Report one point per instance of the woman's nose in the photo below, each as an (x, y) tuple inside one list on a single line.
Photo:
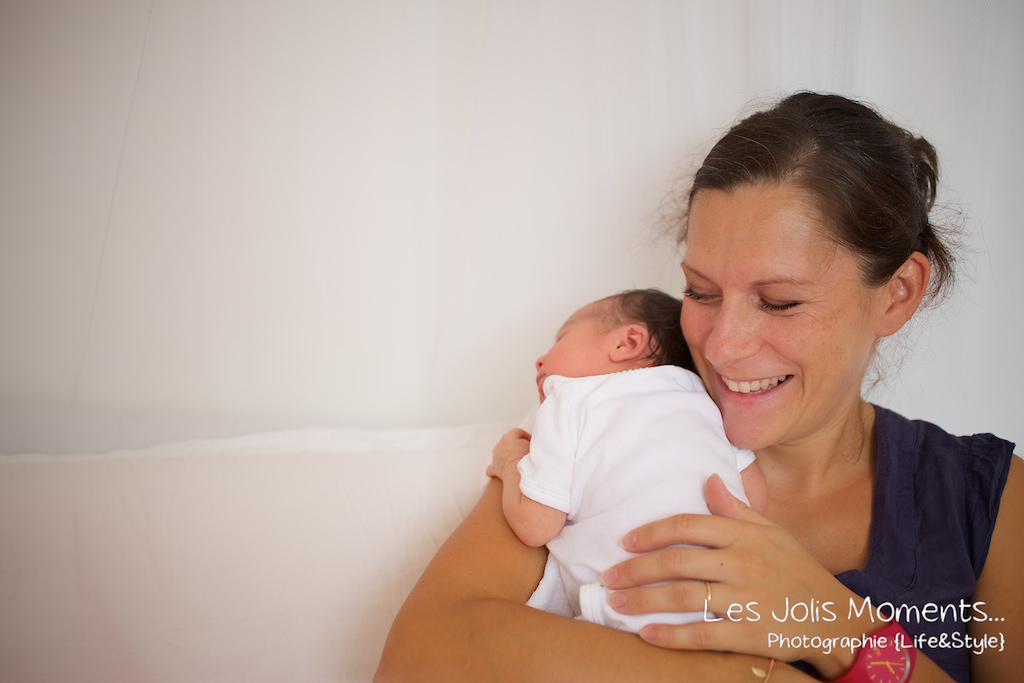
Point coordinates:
[(733, 336)]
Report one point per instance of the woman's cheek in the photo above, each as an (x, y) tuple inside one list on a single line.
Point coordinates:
[(695, 324)]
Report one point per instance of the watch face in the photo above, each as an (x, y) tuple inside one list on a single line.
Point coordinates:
[(888, 665)]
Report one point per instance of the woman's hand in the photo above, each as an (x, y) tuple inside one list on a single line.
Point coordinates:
[(511, 448), (770, 596)]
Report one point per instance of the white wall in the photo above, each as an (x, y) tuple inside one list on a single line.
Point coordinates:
[(377, 213)]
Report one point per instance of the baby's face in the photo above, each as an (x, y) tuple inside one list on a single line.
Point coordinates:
[(582, 346)]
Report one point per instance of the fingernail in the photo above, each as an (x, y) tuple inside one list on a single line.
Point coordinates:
[(610, 577), (629, 541), (617, 600)]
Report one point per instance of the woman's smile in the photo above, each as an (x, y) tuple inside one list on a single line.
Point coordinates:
[(755, 386)]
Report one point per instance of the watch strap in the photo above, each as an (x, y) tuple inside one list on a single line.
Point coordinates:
[(896, 642)]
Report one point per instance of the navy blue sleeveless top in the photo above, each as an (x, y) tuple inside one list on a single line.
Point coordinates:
[(935, 505)]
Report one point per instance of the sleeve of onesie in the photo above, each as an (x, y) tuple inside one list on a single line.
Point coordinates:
[(744, 458), (546, 471)]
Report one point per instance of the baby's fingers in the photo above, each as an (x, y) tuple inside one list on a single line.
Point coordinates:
[(516, 434)]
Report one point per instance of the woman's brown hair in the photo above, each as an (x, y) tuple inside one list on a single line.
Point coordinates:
[(873, 181)]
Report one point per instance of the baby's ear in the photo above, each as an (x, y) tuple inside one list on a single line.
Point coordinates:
[(632, 342)]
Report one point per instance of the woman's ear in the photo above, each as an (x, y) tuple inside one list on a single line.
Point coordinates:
[(903, 294), (631, 342)]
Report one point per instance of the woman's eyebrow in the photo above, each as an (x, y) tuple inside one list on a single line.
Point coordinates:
[(772, 280), (783, 280)]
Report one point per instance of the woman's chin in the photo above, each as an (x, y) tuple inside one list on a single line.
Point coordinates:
[(742, 436), (751, 419)]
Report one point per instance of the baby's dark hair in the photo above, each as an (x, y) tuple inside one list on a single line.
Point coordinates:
[(659, 313)]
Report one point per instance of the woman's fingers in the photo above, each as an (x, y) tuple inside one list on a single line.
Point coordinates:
[(679, 558), (685, 529), (668, 564), (674, 596), (715, 531), (695, 636), (729, 522), (721, 502)]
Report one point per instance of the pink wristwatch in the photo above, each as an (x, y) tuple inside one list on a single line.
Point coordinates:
[(887, 657)]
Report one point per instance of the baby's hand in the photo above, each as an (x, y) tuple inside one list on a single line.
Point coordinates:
[(510, 450)]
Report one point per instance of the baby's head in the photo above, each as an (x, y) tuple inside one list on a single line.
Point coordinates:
[(634, 329)]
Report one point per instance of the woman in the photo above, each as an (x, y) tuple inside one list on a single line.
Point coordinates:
[(808, 241)]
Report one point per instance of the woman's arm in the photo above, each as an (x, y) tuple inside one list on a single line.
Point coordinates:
[(466, 621), (999, 588)]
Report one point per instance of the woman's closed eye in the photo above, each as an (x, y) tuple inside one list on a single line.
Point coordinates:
[(699, 297), (778, 307), (769, 305)]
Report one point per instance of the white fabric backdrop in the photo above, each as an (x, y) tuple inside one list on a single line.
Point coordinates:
[(377, 213)]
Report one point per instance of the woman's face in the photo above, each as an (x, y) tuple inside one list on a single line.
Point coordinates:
[(780, 325)]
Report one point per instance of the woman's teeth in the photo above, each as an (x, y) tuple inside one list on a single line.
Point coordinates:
[(753, 386)]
